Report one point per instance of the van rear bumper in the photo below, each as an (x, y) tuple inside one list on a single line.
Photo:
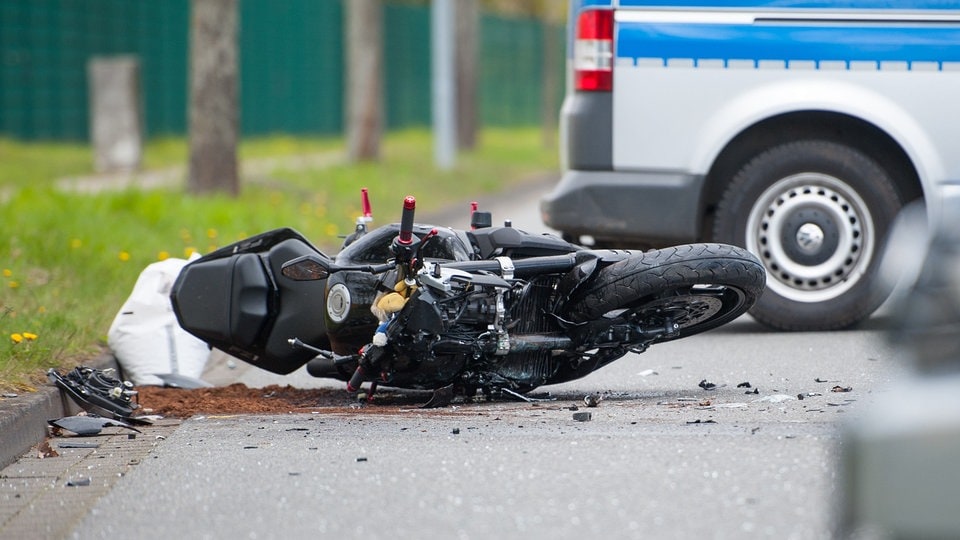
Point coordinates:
[(638, 206)]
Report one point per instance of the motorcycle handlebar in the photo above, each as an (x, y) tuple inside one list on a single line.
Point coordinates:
[(406, 221)]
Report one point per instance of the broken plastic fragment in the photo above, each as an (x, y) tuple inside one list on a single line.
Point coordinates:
[(707, 385), (73, 444), (582, 416), (88, 425), (176, 380), (775, 398), (97, 391), (745, 385), (839, 388), (80, 481)]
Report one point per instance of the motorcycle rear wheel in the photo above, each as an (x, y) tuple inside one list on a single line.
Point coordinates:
[(697, 286)]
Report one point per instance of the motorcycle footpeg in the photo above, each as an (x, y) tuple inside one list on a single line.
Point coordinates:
[(329, 366)]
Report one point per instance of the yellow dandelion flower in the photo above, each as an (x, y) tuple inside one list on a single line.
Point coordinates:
[(13, 284), (17, 338), (7, 272), (41, 309), (76, 243), (163, 255), (211, 233), (188, 251), (29, 336), (331, 229), (123, 256)]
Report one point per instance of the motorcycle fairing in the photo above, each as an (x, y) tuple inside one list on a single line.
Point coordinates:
[(237, 300)]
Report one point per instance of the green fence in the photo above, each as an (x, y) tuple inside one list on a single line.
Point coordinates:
[(291, 65)]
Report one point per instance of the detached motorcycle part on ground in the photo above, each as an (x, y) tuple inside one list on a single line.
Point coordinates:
[(492, 309)]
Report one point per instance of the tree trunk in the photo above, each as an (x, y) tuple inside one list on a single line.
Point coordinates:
[(214, 113), (364, 92), (552, 84), (468, 30)]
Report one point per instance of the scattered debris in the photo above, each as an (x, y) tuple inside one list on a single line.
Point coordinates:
[(360, 459), (818, 379), (456, 431), (839, 388), (176, 380), (707, 385), (97, 391), (582, 416), (11, 395), (699, 421), (775, 398), (647, 372), (735, 405), (754, 391), (44, 450), (79, 481), (77, 444), (592, 400), (88, 425), (745, 385), (805, 395)]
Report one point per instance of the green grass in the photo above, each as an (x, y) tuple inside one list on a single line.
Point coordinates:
[(68, 260)]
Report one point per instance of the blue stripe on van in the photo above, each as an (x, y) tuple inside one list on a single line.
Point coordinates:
[(800, 41), (789, 4)]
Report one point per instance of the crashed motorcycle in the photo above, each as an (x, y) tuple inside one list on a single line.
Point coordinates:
[(492, 309)]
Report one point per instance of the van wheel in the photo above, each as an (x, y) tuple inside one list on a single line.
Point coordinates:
[(816, 213)]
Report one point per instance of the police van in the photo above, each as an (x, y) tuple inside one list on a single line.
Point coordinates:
[(797, 129)]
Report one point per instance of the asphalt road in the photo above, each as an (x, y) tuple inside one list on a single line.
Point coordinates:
[(660, 457)]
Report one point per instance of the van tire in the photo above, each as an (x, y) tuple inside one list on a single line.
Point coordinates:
[(816, 213)]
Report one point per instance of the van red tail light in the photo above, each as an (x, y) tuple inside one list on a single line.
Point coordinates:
[(593, 51)]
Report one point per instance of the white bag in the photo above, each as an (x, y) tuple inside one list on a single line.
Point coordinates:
[(145, 336)]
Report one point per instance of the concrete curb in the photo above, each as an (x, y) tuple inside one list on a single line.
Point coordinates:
[(23, 419)]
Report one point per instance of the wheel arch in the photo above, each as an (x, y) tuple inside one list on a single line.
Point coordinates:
[(800, 125)]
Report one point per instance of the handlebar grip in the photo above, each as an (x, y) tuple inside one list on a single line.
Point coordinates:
[(406, 221)]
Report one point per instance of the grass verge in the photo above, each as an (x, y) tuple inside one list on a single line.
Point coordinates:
[(69, 260)]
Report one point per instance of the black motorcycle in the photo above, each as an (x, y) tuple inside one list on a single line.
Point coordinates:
[(491, 309)]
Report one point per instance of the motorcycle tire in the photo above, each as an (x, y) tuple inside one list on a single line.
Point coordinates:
[(697, 286)]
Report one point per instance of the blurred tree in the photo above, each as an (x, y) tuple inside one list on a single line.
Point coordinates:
[(364, 81), (214, 113)]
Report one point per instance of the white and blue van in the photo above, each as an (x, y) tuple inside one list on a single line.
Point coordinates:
[(795, 128)]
